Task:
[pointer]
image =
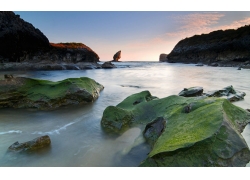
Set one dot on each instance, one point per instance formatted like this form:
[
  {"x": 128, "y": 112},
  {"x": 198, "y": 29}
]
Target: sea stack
[
  {"x": 117, "y": 56},
  {"x": 163, "y": 57}
]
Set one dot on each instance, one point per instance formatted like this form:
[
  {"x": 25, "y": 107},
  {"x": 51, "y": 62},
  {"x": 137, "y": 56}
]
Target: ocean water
[{"x": 77, "y": 139}]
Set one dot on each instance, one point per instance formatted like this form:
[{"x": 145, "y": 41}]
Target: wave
[
  {"x": 55, "y": 131},
  {"x": 10, "y": 132}
]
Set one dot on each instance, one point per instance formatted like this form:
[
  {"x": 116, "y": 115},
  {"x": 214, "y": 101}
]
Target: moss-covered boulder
[
  {"x": 23, "y": 92},
  {"x": 35, "y": 144},
  {"x": 208, "y": 134}
]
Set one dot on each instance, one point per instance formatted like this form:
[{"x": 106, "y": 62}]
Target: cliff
[
  {"x": 229, "y": 47},
  {"x": 22, "y": 42}
]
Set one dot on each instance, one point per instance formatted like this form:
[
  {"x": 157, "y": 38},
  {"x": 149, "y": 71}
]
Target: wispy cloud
[
  {"x": 196, "y": 23},
  {"x": 202, "y": 23}
]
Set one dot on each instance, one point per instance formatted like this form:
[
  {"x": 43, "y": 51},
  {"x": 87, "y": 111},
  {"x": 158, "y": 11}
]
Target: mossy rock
[
  {"x": 208, "y": 134},
  {"x": 23, "y": 92}
]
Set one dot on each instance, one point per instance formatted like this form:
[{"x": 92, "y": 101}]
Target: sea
[{"x": 77, "y": 139}]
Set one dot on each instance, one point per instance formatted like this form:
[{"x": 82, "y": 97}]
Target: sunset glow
[{"x": 140, "y": 35}]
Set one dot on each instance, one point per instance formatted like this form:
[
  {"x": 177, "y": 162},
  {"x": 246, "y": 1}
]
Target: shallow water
[{"x": 75, "y": 132}]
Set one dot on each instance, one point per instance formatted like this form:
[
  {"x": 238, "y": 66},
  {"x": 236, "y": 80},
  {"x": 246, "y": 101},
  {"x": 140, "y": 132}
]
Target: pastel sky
[{"x": 140, "y": 35}]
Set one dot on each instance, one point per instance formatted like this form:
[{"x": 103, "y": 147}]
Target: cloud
[
  {"x": 196, "y": 23},
  {"x": 202, "y": 23}
]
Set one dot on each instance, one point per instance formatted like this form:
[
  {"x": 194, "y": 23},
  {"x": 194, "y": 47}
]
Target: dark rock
[
  {"x": 219, "y": 48},
  {"x": 19, "y": 37},
  {"x": 214, "y": 64},
  {"x": 22, "y": 42},
  {"x": 239, "y": 68},
  {"x": 163, "y": 57},
  {"x": 8, "y": 77},
  {"x": 191, "y": 92},
  {"x": 117, "y": 56},
  {"x": 35, "y": 144},
  {"x": 229, "y": 92},
  {"x": 108, "y": 65},
  {"x": 154, "y": 129}
]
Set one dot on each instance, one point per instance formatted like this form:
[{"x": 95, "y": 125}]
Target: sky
[{"x": 141, "y": 35}]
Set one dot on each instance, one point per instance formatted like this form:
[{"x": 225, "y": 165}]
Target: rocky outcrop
[
  {"x": 23, "y": 92},
  {"x": 19, "y": 37},
  {"x": 191, "y": 92},
  {"x": 117, "y": 56},
  {"x": 108, "y": 65},
  {"x": 163, "y": 58},
  {"x": 208, "y": 134},
  {"x": 229, "y": 92},
  {"x": 223, "y": 48},
  {"x": 35, "y": 144},
  {"x": 22, "y": 42}
]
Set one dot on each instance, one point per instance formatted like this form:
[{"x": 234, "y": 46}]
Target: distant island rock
[
  {"x": 22, "y": 43},
  {"x": 221, "y": 48},
  {"x": 163, "y": 57},
  {"x": 108, "y": 65},
  {"x": 117, "y": 56}
]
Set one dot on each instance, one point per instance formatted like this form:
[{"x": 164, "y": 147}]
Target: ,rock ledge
[
  {"x": 208, "y": 134},
  {"x": 23, "y": 92},
  {"x": 22, "y": 43},
  {"x": 35, "y": 144},
  {"x": 221, "y": 48}
]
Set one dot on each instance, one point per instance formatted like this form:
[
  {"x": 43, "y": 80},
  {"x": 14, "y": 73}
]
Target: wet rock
[
  {"x": 35, "y": 144},
  {"x": 200, "y": 137},
  {"x": 191, "y": 92},
  {"x": 229, "y": 92},
  {"x": 154, "y": 129},
  {"x": 108, "y": 65},
  {"x": 23, "y": 92}
]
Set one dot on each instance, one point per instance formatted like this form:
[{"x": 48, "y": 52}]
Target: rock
[
  {"x": 19, "y": 37},
  {"x": 218, "y": 48},
  {"x": 201, "y": 137},
  {"x": 163, "y": 57},
  {"x": 24, "y": 92},
  {"x": 191, "y": 92},
  {"x": 231, "y": 94},
  {"x": 22, "y": 42},
  {"x": 199, "y": 64},
  {"x": 108, "y": 65},
  {"x": 117, "y": 56},
  {"x": 8, "y": 77},
  {"x": 239, "y": 68},
  {"x": 154, "y": 129},
  {"x": 35, "y": 144}
]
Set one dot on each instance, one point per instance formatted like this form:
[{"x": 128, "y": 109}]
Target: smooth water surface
[{"x": 76, "y": 135}]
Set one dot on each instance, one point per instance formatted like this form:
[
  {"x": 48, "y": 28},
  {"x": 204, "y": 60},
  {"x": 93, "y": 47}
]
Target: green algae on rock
[
  {"x": 209, "y": 134},
  {"x": 23, "y": 92}
]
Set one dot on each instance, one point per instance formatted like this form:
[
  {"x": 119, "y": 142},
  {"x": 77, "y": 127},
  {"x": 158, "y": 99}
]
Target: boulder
[
  {"x": 117, "y": 56},
  {"x": 154, "y": 129},
  {"x": 229, "y": 92},
  {"x": 108, "y": 65},
  {"x": 191, "y": 92},
  {"x": 23, "y": 92},
  {"x": 209, "y": 134},
  {"x": 35, "y": 144}
]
